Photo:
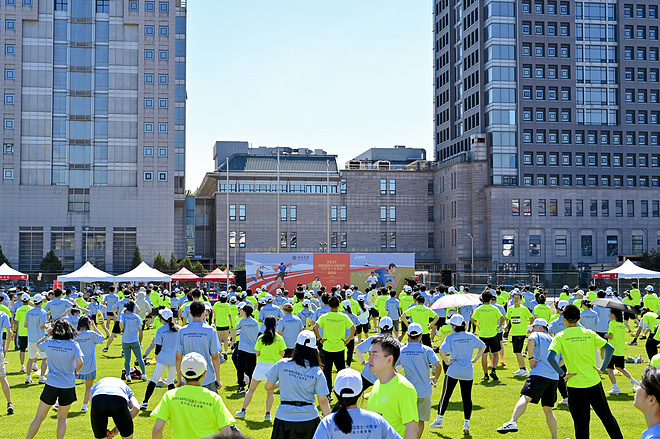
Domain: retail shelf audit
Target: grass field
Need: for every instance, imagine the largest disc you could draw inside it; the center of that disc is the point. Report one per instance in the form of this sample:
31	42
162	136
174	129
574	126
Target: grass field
493	403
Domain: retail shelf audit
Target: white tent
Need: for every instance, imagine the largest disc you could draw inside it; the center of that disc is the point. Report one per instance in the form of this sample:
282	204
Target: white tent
87	273
628	270
143	273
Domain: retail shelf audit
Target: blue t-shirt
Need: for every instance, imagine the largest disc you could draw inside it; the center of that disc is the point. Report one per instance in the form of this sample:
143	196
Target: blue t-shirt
556	326
94	308
4	321
73	320
440	312
57	307
460	346
415	359
62	356
87	340
529	297
174	303
365	425
467	311
112	386
290	326
319	312
269	310
652	433
503	311
201	338
110	299
297	383
249	332
279	301
132	325
392	307
167	340
603	318
589	319
364	348
34	318
543	369
305	314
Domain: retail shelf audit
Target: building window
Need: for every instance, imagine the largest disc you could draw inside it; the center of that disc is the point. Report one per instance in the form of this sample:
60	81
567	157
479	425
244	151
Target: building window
342	186
342	213
163	79
9	124
162	103
283	240
10	74
630	211
149	30
162	127
9	98
553	207
10	24
241	212
7	148
148	127
148	176
163	31
430	240
645	209
133	5
383	239
527	207
148	78
392	239
393	213
163	6
586	245
8	174
149	54
508	246
10	49
148	102
383	213
163	55
30	248
283	214
241	239
534	245
232	212
162	175
612	245
561	248
541	205
343	239
333	213
619	207
148	151
150	6
637	244
293	239
515	207
162	152
294	213
333	239
102	6
429	187
568	207
430	214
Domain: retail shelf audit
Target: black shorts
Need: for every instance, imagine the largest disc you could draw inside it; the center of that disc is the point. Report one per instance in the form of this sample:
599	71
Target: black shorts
116	329
222	328
441	322
628	316
492	345
93	318
175	313
362	329
50	395
110	314
22	343
110	406
541	389
373	312
293	429
602	335
518	342
617	361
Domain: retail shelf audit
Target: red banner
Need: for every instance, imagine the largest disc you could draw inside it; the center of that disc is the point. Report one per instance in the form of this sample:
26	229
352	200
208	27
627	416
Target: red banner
333	268
606	275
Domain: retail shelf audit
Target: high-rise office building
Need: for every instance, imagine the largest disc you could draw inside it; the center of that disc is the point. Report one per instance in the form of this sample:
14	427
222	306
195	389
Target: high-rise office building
557	101
93	130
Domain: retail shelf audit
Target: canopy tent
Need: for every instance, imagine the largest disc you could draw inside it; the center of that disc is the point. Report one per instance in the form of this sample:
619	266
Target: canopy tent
143	273
185	275
219	275
627	270
87	273
8	273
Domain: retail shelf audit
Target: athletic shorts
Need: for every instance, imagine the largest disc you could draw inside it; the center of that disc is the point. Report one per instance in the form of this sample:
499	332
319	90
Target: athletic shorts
109	314
362	329
34	352
424	408
293	429
175	313
22	343
93	318
87	376
110	406
492	345
441	322
259	373
602	335
116	329
222	328
395	325
518	342
373	312
616	361
499	338
51	395
541	389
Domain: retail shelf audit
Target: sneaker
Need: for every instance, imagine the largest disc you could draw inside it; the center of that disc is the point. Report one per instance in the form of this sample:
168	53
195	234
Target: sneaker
466	428
493	375
42	379
84	408
35	367
633	343
129	379
104	350
643	337
564	401
161	383
28	380
144	406
614	391
523	373
485	378
508	427
502	362
10	409
56	406
144	377
240	414
267	417
22	369
517	373
241	390
436	424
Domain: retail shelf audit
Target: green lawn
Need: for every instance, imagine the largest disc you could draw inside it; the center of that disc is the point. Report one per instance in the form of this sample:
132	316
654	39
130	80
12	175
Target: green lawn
493	402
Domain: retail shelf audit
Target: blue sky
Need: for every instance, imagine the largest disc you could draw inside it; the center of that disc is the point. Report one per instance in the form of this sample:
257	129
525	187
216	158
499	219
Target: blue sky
343	76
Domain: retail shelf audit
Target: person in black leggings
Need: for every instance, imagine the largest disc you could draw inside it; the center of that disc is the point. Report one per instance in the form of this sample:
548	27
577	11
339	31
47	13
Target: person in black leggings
112	398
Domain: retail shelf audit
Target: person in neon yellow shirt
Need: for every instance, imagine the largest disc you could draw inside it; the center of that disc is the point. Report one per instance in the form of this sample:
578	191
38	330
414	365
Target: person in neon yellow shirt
270	349
193	411
21	329
422	314
234	313
542	311
380	303
519	318
616	333
651	301
489	319
577	346
636	295
222	315
565	293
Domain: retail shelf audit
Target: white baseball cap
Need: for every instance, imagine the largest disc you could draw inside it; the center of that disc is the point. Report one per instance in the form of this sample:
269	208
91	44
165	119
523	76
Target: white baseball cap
348	383
539	322
38	298
360	297
307	338
25	297
278	291
193	365
349	292
456	320
268	298
562	304
452	289
306	302
649	288
386	322
407	287
415	329
565	287
166	314
346	304
580	292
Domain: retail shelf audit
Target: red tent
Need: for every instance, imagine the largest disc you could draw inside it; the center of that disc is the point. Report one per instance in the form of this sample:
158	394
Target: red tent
219	275
8	273
185	275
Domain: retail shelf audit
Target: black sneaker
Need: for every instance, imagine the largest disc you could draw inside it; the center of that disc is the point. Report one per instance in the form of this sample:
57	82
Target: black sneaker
643	337
224	356
493	375
241	390
10	409
485	378
633	343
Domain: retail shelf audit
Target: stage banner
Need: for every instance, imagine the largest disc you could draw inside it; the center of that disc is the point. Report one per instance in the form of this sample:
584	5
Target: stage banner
286	270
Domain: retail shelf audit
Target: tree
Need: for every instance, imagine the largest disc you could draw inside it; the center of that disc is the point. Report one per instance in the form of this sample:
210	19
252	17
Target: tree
651	260
173	266
3	259
160	263
196	267
137	258
51	263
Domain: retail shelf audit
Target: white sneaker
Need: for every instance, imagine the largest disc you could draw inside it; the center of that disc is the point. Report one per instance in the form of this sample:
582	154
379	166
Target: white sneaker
518	372
466	428
144	406
437	423
56	406
508	427
28	380
614	391
84	408
42	379
267	417
564	401
523	373
35	367
144	377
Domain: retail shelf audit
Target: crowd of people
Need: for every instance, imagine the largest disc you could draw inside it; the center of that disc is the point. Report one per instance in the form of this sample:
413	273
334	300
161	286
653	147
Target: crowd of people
292	342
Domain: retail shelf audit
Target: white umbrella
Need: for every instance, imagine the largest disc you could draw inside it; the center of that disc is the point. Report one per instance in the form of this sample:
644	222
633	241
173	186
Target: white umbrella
456	300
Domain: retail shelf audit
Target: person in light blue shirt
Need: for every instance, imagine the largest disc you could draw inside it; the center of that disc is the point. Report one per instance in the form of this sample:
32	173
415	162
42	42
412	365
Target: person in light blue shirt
109	301
65	358
528	296
588	317
58	306
199	337
306	313
368	377
289	327
541	385
603	320
246	355
88	337
5	325
269	310
281	298
112	398
415	359
300	381
647	398
174	304
130	325
323	309
351	422
392	307
35	322
456	351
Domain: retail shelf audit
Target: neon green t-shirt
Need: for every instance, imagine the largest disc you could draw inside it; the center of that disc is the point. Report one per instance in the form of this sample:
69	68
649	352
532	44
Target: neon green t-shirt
233	312
636	295
405	300
81	302
519	318
500	299
270	353
651	301
253	301
380	306
618	330
592	295
262	294
488	318
297	307
577	346
20	318
421	314
193	412
543	311
120	294
506	295
355	307
629	301
334	326
6	311
165	301
396	401
221	312
655	361
564	296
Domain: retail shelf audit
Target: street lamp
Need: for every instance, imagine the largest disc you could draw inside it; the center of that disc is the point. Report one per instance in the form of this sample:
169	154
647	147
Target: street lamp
472	254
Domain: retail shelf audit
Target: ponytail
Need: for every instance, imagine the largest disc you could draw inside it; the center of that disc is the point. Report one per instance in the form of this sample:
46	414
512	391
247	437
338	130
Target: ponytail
342	418
268	337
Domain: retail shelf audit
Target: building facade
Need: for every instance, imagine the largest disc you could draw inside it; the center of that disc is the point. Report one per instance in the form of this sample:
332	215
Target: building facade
93	130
